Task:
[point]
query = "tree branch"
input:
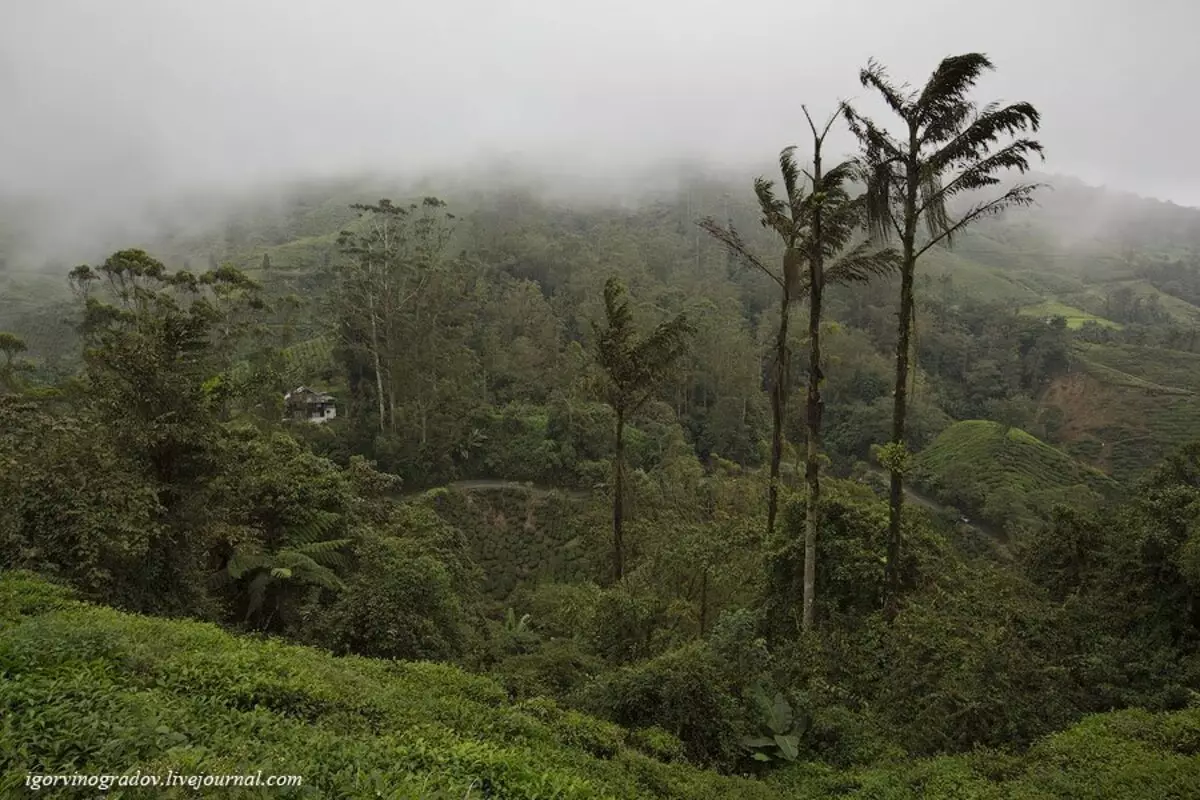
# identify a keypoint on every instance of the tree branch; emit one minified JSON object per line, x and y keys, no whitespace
{"x":1017,"y":196}
{"x":733,"y":242}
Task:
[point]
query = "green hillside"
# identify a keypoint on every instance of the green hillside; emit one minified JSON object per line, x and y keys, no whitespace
{"x":299,"y":254}
{"x":1097,"y":298}
{"x":977,"y":279}
{"x":188,"y":697}
{"x":1127,"y":406}
{"x":1169,"y":368}
{"x":1001,"y":473}
{"x":94,"y":691}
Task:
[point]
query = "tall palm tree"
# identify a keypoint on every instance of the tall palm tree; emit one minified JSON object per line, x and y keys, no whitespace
{"x":633,"y":366}
{"x":834,"y":220}
{"x":816,"y":224}
{"x":947,"y":149}
{"x":788,"y":218}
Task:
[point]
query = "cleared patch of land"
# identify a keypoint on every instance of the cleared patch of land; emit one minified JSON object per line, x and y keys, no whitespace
{"x":1075,"y":317}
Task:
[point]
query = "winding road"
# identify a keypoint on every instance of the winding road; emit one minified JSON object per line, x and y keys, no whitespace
{"x":995,"y":537}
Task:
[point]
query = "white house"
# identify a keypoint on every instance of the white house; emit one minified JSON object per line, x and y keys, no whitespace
{"x":303,"y":403}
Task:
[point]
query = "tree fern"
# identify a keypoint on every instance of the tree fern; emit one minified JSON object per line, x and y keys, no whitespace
{"x":948,"y":147}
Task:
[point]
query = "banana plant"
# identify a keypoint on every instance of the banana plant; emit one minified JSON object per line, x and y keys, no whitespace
{"x":783,"y":729}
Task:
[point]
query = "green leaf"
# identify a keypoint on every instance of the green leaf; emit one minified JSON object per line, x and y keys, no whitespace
{"x":781,"y":715}
{"x":789,"y":746}
{"x":757,"y":741}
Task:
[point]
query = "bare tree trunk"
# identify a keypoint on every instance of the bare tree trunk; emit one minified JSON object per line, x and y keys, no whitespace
{"x":619,"y":500}
{"x":704,"y":601}
{"x":778,"y":402}
{"x":908,"y":267}
{"x":899,"y":414}
{"x":812,"y":467}
{"x":424,"y":422}
{"x":375,"y":357}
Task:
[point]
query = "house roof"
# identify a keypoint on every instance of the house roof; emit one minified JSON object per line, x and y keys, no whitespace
{"x":308,"y":395}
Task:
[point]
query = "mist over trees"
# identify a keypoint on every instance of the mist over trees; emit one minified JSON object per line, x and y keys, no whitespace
{"x":753,"y":488}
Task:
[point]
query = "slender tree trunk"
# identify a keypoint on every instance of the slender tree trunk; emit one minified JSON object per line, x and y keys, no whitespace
{"x":778,"y":402}
{"x":908,"y":267}
{"x":390,"y":383}
{"x":704,"y":601}
{"x":812,"y":467}
{"x":899,"y":415}
{"x":424,"y":422}
{"x":375,"y":357}
{"x":619,"y":500}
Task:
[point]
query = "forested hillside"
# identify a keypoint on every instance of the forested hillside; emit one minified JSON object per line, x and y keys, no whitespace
{"x":793,"y":487}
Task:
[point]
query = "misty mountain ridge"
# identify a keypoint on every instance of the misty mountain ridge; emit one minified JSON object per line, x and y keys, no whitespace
{"x":39,"y":234}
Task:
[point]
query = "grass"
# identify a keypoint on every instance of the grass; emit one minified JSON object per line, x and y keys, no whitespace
{"x":92,"y":690}
{"x":1075,"y":317}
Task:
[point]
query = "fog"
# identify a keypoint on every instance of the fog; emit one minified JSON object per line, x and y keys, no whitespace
{"x":111,"y":107}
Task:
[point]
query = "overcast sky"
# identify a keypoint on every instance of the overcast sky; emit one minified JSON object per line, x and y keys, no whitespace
{"x":113,"y":100}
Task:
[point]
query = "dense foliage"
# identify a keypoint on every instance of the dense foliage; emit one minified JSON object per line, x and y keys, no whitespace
{"x":529,"y":554}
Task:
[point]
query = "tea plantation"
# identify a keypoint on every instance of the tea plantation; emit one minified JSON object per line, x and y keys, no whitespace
{"x":92,"y":690}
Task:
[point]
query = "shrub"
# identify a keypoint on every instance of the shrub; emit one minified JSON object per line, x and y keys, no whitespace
{"x":682,"y":692}
{"x":400,"y":604}
{"x":555,"y":669}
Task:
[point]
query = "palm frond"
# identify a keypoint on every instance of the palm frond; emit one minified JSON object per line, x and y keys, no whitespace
{"x":861,"y":263}
{"x":876,"y":77}
{"x":305,"y":569}
{"x":733,"y":243}
{"x":315,"y":525}
{"x":663,"y":346}
{"x":880,"y":178}
{"x":1017,"y":196}
{"x":838,"y":175}
{"x":947,"y":88}
{"x":774,"y":210}
{"x":982,"y":173}
{"x":315,"y":549}
{"x":244,"y":561}
{"x":933,"y":203}
{"x":877,"y":168}
{"x":873,"y":138}
{"x":976,"y":139}
{"x":790,"y":173}
{"x":328,"y":553}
